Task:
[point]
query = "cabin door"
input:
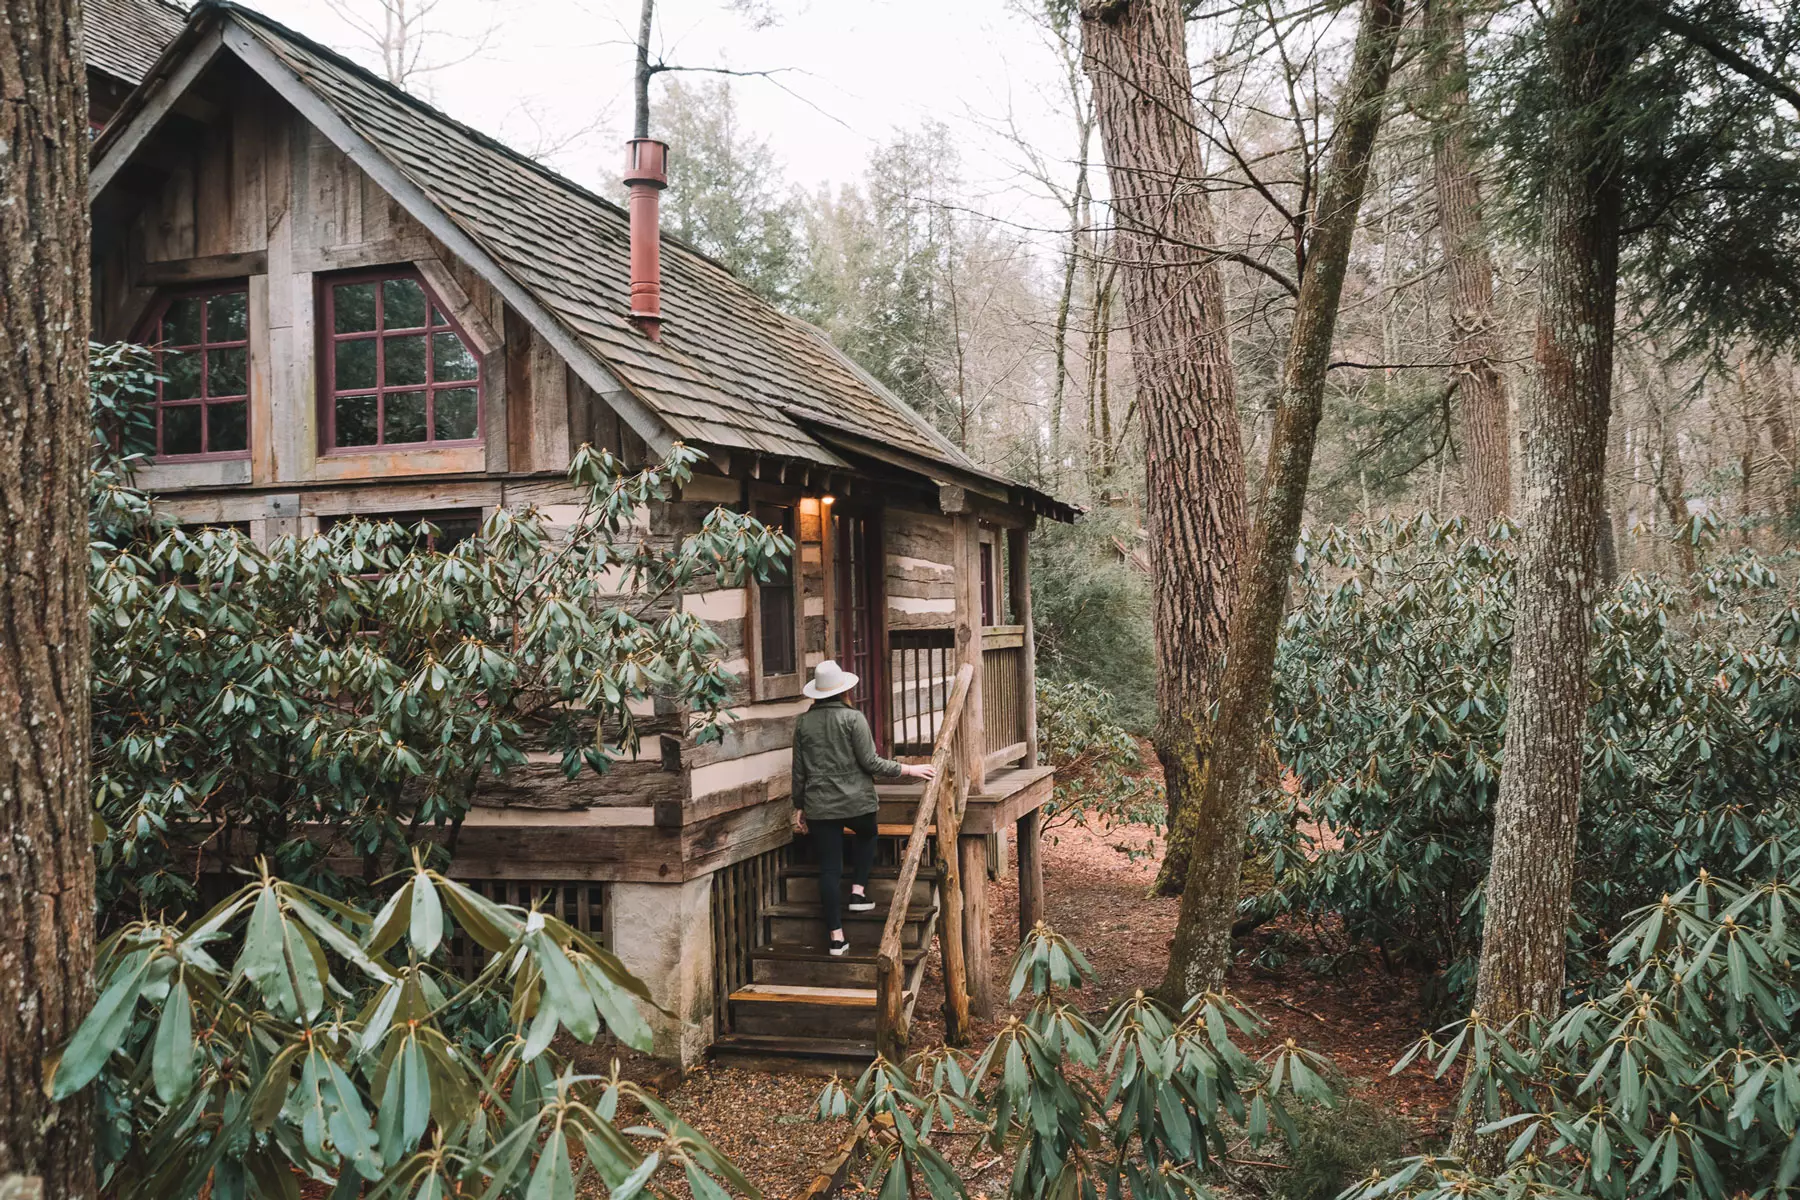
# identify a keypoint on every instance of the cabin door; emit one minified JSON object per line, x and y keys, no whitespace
{"x":862,"y":634}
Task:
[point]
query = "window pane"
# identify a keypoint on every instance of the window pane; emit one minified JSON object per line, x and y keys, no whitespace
{"x":403,"y":418}
{"x":355,"y":421}
{"x":402,"y":304}
{"x":228,"y":317}
{"x":181,"y":429}
{"x":405,"y":363}
{"x":181,"y":324}
{"x":777,"y":629}
{"x":438,"y":318}
{"x":450,"y":359}
{"x":182,"y":369}
{"x":454,"y":415}
{"x":354,"y":307}
{"x":225,"y":372}
{"x":355,"y":364}
{"x":225,"y":427}
{"x":453,"y":529}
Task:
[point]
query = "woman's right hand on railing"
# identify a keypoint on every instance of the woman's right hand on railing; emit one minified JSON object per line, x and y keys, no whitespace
{"x":919,"y":771}
{"x":799,"y":821}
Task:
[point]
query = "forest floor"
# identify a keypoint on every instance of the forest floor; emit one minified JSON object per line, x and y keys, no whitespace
{"x":1096,"y":881}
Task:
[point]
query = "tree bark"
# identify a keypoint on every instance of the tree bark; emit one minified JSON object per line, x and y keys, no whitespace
{"x":640,"y":78}
{"x":1532,"y":872}
{"x":46,"y":864}
{"x":1135,"y":55}
{"x":1671,"y":480}
{"x":1486,"y":420}
{"x":1201,"y":947}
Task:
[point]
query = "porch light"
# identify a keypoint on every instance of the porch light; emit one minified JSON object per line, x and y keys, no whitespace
{"x":828,"y":499}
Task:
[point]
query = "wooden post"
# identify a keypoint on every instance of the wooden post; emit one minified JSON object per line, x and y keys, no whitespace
{"x":1018,"y":567}
{"x":966,"y":552}
{"x":977,"y":935}
{"x":956,"y":971}
{"x":1031,"y":872}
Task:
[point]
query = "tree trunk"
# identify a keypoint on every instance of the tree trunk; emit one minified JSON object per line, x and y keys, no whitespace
{"x":1533,"y":866}
{"x":1201,"y":947}
{"x":1135,"y":55}
{"x":46,"y":863}
{"x":1486,"y":423}
{"x":1671,"y":481}
{"x":640,"y":77}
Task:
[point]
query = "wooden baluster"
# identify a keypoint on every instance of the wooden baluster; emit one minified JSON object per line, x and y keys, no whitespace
{"x":956,"y":973}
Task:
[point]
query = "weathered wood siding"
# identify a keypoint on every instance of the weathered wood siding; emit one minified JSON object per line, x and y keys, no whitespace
{"x":921,"y":580}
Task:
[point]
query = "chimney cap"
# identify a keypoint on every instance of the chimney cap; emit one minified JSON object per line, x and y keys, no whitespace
{"x":646,"y":163}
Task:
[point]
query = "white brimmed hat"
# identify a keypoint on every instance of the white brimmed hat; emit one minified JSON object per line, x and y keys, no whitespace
{"x":829,"y":680}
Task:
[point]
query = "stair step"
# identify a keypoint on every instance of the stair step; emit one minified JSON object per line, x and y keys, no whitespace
{"x":800,"y":1010}
{"x":804,"y":925}
{"x":764,"y":993}
{"x":801,"y":886}
{"x":800,"y":965}
{"x":802,"y":1055}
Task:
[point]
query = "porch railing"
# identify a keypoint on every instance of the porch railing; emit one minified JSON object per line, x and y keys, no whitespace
{"x":922,"y":665}
{"x":1004,"y":688}
{"x":941,"y":804}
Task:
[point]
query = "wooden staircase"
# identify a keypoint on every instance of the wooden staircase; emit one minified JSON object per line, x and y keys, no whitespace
{"x":804,"y":1010}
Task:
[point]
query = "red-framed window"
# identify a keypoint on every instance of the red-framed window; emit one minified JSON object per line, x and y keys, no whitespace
{"x":202,"y":343}
{"x":397,"y":370}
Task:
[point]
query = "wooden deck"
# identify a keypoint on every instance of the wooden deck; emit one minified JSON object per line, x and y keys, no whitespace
{"x":1008,"y":795}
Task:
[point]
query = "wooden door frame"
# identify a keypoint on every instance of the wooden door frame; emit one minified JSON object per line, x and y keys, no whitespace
{"x":875,"y":685}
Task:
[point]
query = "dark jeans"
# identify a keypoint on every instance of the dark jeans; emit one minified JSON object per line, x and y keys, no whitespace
{"x":828,"y":843}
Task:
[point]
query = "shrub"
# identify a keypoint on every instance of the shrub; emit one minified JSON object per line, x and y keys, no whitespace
{"x":1335,"y":1146}
{"x":286,"y":1037}
{"x":1390,"y":706}
{"x":1138,"y":1104}
{"x":1100,"y":768}
{"x":1091,"y":610}
{"x":1678,"y":1075}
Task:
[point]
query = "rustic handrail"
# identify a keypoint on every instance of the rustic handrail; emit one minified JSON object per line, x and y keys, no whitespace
{"x":890,"y":976}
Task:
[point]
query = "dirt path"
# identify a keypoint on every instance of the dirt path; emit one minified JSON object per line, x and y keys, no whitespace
{"x":1361,"y":1016}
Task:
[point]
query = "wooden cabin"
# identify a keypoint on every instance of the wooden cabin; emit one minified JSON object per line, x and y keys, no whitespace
{"x":383,"y":312}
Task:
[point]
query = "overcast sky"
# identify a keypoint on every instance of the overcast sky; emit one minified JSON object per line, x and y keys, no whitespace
{"x":850,"y":72}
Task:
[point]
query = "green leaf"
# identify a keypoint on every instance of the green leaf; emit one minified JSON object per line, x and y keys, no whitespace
{"x":173,"y":1055}
{"x":103,"y":1030}
{"x":427,"y":916}
{"x":552,"y":1179}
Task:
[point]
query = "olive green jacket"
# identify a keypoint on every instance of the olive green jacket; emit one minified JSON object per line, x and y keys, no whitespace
{"x":835,"y":764}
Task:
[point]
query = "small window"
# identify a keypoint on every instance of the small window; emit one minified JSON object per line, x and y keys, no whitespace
{"x":777,"y":603}
{"x":202,"y":345}
{"x":987,"y":584}
{"x":398,"y":371}
{"x":454,"y":526}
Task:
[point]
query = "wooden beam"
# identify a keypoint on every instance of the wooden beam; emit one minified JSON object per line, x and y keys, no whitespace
{"x":200,"y":270}
{"x":965,"y":554}
{"x":423,"y":209}
{"x":161,"y":101}
{"x":1018,"y":565}
{"x":472,"y":319}
{"x":1004,"y":756}
{"x":977,"y":936}
{"x":1031,"y":872}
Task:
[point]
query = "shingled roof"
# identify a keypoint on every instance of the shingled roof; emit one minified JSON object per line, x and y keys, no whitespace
{"x":124,"y":38}
{"x":731,"y":370}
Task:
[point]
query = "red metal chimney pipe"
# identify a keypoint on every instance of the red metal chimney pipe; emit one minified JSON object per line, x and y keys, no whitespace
{"x":646,"y":174}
